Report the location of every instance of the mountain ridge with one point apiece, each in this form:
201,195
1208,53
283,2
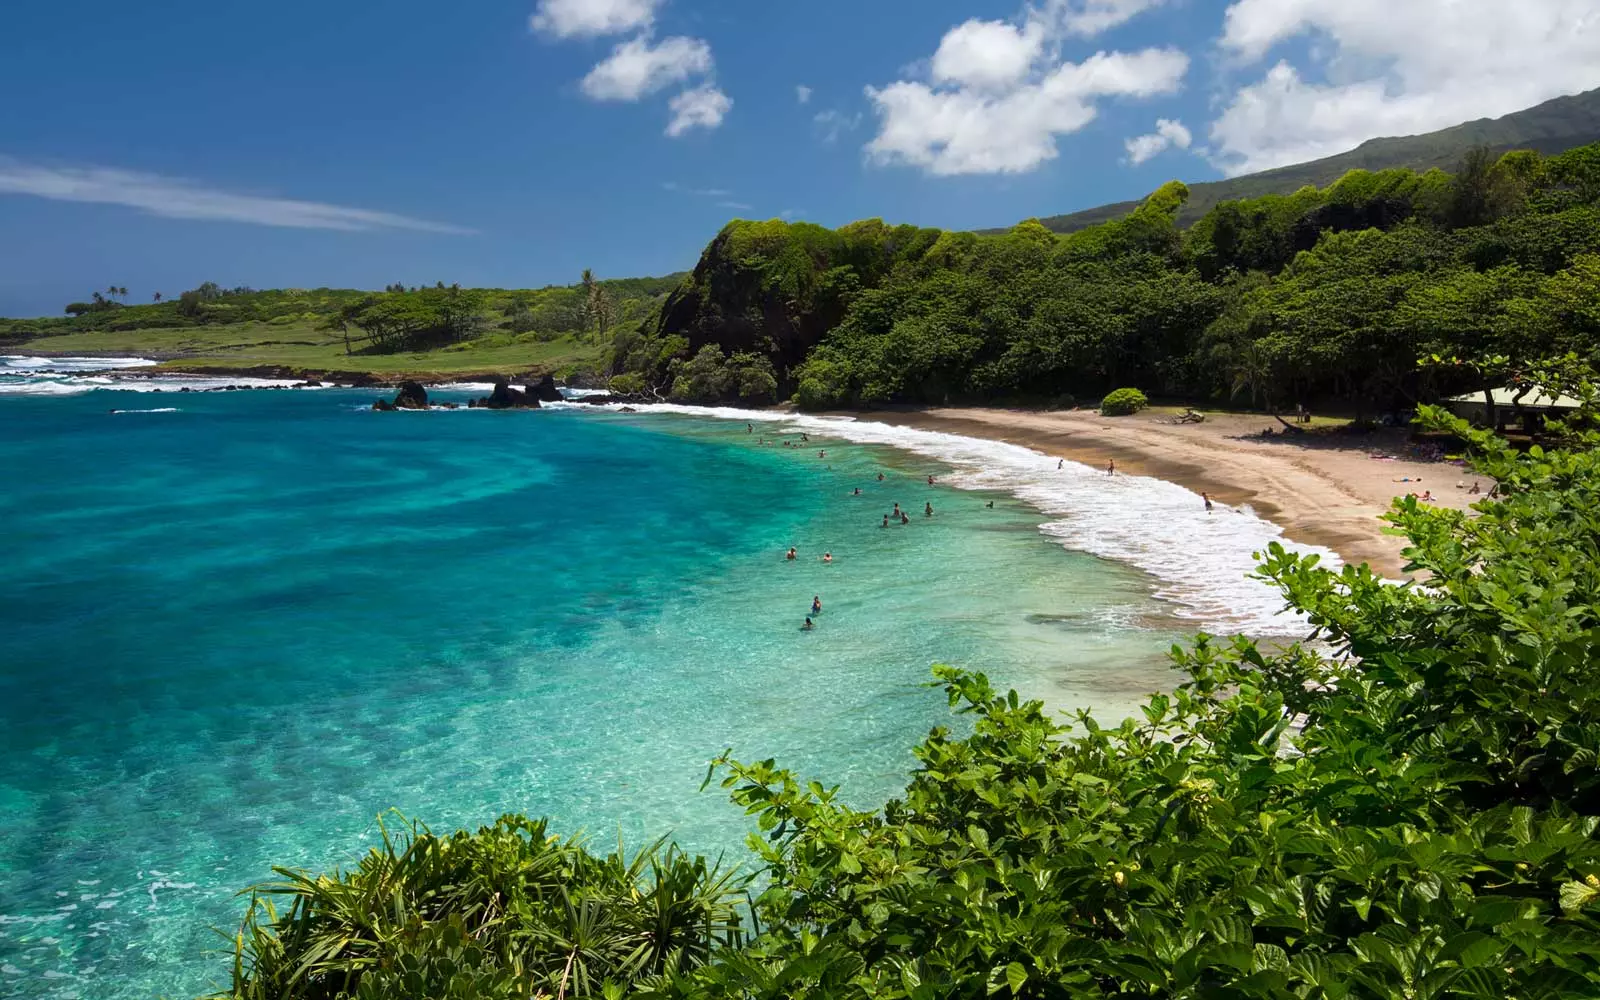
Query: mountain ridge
1551,127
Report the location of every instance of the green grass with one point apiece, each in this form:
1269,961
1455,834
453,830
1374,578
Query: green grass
300,345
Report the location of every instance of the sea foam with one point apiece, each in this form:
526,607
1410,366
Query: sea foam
1204,564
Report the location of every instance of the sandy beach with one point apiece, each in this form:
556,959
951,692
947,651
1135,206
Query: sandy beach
1322,489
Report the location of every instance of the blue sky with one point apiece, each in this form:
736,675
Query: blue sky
516,142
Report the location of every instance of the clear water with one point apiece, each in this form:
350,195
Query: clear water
237,628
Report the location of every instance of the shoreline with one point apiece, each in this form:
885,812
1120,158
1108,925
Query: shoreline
1325,491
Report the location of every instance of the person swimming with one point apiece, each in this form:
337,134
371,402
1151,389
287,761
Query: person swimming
816,605
895,512
827,557
857,492
808,626
880,477
930,480
990,504
927,510
790,555
804,436
904,519
823,453
886,520
748,429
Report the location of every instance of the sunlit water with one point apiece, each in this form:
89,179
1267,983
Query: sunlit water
238,626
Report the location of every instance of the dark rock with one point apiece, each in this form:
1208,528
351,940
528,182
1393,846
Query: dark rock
412,396
505,397
546,391
309,383
627,409
383,404
449,406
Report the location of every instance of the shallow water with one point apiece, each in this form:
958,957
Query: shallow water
239,626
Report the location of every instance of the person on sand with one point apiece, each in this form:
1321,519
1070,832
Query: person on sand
1207,498
827,557
1059,463
1408,479
927,510
791,554
1426,495
1111,467
808,626
816,605
1475,490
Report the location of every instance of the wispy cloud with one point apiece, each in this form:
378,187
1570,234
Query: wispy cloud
802,94
737,206
697,192
832,124
179,198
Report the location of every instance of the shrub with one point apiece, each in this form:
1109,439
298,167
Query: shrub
1123,402
627,384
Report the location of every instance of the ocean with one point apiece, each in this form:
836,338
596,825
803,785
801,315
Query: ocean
237,627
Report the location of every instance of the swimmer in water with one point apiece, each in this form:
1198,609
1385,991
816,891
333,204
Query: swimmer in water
822,454
1207,498
857,492
886,520
904,519
895,512
827,557
791,554
807,626
816,605
804,436
927,510
930,480
880,477
748,429
990,505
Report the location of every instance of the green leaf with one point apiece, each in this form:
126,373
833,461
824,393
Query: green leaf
1016,976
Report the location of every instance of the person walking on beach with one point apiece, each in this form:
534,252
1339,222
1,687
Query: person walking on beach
1207,498
1111,467
1059,463
790,555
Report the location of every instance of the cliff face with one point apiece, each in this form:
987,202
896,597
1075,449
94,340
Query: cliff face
733,301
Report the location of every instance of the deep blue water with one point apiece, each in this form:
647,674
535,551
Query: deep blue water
234,634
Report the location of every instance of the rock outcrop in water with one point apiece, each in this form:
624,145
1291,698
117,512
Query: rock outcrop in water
412,396
545,391
504,397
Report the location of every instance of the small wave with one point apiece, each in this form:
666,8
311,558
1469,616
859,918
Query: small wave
158,409
29,363
1203,564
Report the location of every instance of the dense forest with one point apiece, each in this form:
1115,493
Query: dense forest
1325,294
1404,808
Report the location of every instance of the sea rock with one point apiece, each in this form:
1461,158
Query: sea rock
546,391
504,397
412,396
383,404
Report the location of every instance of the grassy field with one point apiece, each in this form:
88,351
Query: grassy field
245,345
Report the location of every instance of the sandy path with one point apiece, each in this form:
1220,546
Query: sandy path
1325,492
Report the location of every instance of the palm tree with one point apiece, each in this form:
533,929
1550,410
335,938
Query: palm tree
596,303
122,292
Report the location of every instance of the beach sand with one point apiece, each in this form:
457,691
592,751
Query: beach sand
1322,489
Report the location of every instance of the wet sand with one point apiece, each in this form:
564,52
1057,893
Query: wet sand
1322,489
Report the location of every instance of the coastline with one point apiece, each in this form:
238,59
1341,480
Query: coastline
1326,491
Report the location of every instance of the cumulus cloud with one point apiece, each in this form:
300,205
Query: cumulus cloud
988,55
802,94
981,128
1169,134
1091,17
592,18
178,198
1385,68
640,67
703,107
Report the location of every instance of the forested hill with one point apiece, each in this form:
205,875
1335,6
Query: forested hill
1320,294
1549,128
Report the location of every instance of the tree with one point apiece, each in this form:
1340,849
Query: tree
597,308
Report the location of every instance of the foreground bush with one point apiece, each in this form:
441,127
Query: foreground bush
1123,402
1411,816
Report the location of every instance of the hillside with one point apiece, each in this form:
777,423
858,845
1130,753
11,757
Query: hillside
398,332
1548,128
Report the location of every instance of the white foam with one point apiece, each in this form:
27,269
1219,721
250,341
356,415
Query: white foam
1203,563
24,362
158,409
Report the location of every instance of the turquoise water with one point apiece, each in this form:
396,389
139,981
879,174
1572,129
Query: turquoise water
235,633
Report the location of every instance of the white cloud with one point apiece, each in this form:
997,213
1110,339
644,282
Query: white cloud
987,55
789,214
832,124
737,206
1169,134
639,67
697,192
972,130
178,198
703,107
1091,17
1387,68
802,93
591,18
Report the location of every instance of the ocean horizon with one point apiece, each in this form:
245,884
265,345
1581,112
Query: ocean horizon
242,625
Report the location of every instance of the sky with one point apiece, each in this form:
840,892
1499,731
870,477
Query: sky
513,143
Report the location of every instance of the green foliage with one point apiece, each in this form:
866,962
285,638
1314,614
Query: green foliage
508,911
1123,402
1404,806
708,377
627,384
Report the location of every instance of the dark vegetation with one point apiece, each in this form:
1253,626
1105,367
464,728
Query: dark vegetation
1405,808
1328,294
1552,127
